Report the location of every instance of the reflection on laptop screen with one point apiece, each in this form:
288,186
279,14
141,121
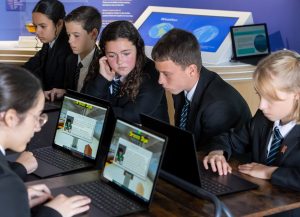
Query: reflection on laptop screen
133,159
250,40
80,127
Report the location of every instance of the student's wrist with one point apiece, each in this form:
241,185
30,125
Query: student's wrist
270,171
216,152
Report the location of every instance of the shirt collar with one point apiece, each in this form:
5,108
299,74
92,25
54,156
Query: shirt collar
284,129
189,94
121,78
86,61
51,44
2,150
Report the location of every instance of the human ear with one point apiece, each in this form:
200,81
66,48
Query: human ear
11,118
59,23
94,34
192,70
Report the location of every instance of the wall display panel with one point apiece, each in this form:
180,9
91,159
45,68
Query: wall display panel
282,27
18,13
211,28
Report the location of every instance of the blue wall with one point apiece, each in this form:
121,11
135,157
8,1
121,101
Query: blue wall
282,16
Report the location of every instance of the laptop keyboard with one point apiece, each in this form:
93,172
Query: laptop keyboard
212,186
105,198
59,159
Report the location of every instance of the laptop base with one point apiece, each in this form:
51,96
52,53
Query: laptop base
219,184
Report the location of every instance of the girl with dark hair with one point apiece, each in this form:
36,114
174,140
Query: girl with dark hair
125,76
49,63
21,104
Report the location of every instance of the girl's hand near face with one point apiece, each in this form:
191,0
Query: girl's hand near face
105,69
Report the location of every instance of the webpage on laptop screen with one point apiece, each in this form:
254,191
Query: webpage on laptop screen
133,159
80,126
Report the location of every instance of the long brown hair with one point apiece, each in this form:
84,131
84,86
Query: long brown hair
125,29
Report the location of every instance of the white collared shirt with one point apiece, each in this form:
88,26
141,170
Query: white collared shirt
51,44
2,150
85,67
189,95
283,129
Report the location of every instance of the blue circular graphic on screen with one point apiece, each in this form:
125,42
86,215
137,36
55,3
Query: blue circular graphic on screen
260,43
205,34
159,30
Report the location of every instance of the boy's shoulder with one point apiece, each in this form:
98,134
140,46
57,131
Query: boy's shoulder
72,58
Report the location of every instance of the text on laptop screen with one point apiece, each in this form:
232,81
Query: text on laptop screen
250,40
80,127
210,31
133,159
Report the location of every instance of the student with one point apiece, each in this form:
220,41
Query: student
127,78
49,63
83,25
22,102
272,135
204,103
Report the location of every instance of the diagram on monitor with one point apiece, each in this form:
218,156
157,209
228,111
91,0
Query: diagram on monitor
211,28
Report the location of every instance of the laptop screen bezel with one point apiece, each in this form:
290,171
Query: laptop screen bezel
174,132
138,199
92,100
235,56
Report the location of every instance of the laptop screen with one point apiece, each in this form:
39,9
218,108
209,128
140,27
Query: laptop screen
250,40
133,159
80,127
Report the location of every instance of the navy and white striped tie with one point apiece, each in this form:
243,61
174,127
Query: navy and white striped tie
275,146
116,86
77,73
184,114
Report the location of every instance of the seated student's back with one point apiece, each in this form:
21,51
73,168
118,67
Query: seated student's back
49,63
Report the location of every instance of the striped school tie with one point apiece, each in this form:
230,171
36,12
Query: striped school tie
184,114
77,73
275,146
116,86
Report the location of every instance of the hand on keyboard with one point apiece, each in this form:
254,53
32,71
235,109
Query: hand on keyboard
217,162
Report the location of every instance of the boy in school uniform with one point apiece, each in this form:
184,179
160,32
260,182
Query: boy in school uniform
83,25
204,103
272,135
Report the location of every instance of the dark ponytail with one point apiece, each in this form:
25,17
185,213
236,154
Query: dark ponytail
53,9
18,89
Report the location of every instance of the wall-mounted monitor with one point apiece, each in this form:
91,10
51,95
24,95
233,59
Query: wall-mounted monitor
211,28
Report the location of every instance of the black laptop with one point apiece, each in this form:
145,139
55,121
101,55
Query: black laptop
181,162
126,184
80,131
52,106
250,43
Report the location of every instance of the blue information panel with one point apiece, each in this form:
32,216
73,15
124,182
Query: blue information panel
15,5
209,30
